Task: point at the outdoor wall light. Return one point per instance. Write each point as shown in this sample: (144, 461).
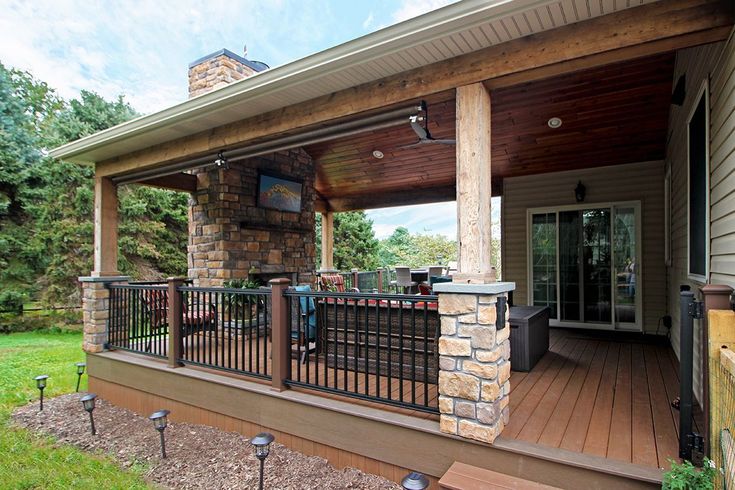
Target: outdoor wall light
(415, 481)
(262, 444)
(221, 161)
(88, 404)
(160, 423)
(81, 366)
(41, 384)
(580, 192)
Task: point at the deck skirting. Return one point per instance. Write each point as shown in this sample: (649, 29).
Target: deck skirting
(347, 434)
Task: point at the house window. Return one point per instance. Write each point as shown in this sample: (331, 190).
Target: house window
(698, 187)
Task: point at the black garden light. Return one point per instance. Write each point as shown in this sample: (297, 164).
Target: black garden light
(88, 404)
(41, 384)
(262, 444)
(415, 481)
(80, 371)
(160, 423)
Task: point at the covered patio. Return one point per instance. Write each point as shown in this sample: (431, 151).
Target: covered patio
(482, 109)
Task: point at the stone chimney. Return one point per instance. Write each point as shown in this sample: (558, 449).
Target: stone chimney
(219, 69)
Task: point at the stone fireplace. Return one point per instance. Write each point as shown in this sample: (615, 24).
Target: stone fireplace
(230, 236)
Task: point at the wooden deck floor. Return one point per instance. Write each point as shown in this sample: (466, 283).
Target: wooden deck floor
(594, 394)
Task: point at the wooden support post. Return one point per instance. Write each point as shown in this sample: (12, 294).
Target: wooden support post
(714, 297)
(474, 221)
(105, 227)
(327, 240)
(174, 316)
(281, 335)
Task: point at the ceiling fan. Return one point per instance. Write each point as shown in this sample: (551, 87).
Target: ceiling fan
(422, 130)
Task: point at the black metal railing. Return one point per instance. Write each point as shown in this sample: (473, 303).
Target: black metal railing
(377, 347)
(226, 329)
(137, 318)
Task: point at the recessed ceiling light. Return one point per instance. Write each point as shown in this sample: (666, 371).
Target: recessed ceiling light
(554, 123)
(378, 154)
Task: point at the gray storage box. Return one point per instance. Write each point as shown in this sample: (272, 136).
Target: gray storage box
(529, 336)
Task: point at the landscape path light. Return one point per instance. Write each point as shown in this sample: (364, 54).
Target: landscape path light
(80, 371)
(41, 384)
(415, 481)
(88, 402)
(262, 444)
(160, 422)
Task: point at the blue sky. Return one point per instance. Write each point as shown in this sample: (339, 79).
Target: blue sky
(142, 49)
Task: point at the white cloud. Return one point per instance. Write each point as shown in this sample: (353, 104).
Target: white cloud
(368, 22)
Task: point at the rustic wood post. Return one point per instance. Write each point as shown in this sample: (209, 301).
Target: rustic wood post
(380, 279)
(327, 240)
(474, 219)
(105, 227)
(281, 335)
(714, 297)
(174, 317)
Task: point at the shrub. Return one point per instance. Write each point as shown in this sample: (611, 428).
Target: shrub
(686, 476)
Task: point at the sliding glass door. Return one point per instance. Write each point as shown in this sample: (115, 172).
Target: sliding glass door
(584, 264)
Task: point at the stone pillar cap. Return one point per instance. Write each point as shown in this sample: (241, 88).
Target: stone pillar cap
(462, 288)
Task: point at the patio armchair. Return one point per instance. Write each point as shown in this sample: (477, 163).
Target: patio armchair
(155, 313)
(335, 283)
(403, 278)
(306, 336)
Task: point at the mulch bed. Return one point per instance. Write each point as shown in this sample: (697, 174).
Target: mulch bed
(198, 456)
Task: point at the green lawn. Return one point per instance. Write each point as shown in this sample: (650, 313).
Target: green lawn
(29, 461)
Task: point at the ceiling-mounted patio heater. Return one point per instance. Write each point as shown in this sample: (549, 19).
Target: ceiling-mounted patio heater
(392, 118)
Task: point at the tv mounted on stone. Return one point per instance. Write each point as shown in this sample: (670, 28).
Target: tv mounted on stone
(279, 192)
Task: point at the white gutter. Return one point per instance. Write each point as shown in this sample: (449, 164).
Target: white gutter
(448, 20)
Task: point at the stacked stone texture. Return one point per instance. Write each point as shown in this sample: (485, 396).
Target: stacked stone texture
(216, 73)
(474, 363)
(95, 311)
(231, 237)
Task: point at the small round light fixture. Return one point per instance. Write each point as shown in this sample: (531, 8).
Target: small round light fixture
(41, 384)
(160, 423)
(415, 481)
(554, 123)
(81, 366)
(262, 444)
(88, 404)
(378, 154)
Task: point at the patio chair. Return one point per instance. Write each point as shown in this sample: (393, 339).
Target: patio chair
(155, 314)
(307, 310)
(403, 279)
(434, 270)
(335, 283)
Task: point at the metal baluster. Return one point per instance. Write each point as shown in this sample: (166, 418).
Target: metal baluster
(298, 334)
(389, 336)
(413, 352)
(367, 351)
(346, 344)
(426, 353)
(400, 350)
(377, 347)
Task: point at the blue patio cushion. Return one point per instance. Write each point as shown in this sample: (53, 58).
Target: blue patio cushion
(307, 309)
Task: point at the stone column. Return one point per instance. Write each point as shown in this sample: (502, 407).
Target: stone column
(95, 304)
(474, 361)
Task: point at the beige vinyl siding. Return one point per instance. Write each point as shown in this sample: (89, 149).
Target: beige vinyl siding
(696, 63)
(642, 182)
(722, 166)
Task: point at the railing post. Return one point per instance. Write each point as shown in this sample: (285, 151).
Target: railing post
(280, 336)
(380, 279)
(174, 315)
(355, 278)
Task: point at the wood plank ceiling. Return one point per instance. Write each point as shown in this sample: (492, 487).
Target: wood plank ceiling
(611, 115)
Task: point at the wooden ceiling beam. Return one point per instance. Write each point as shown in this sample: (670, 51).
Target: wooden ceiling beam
(648, 29)
(176, 182)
